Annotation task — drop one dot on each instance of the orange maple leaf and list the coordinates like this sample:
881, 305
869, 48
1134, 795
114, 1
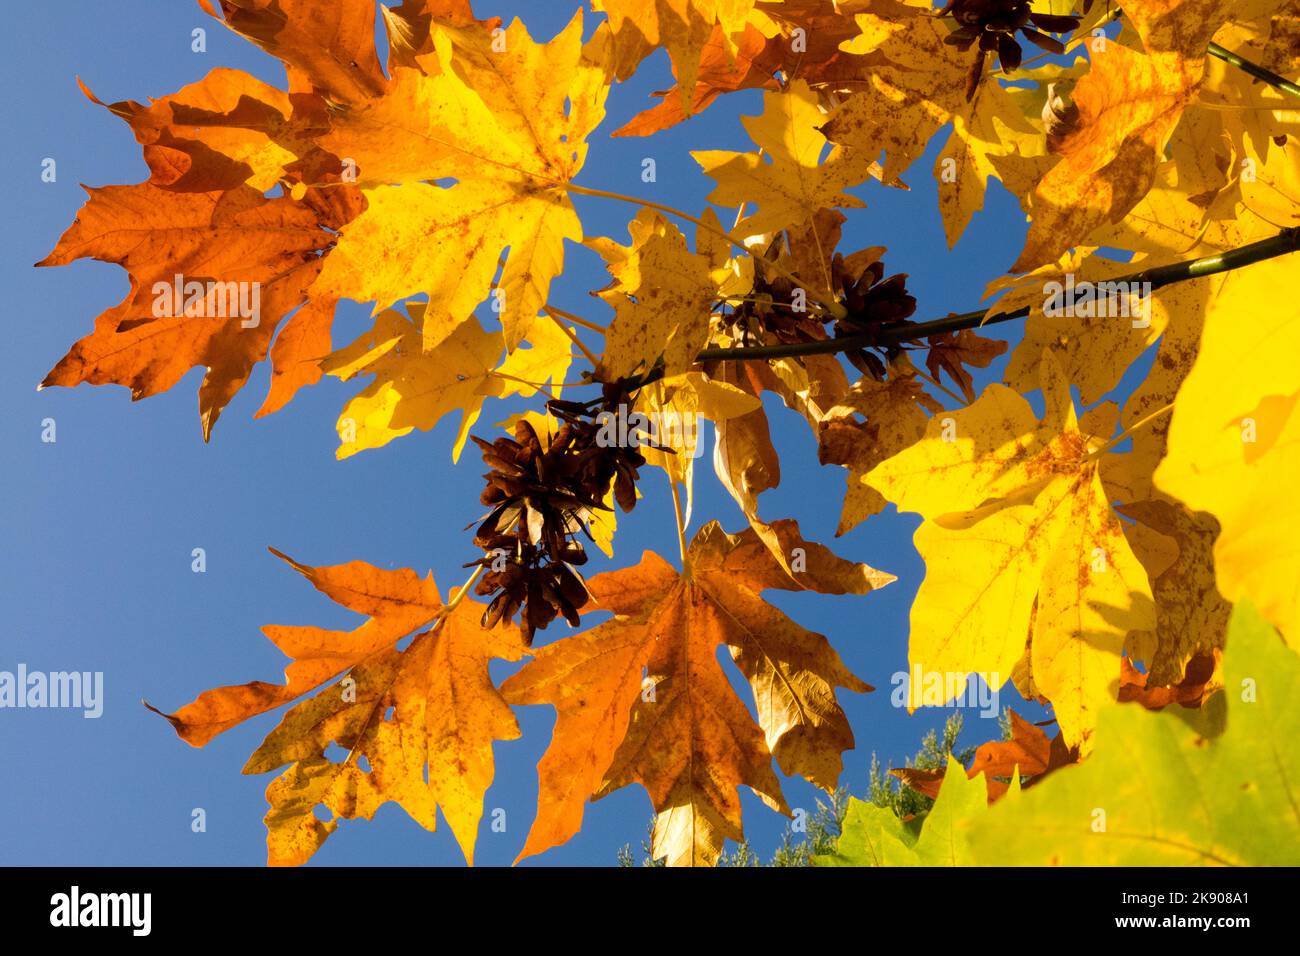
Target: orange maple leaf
642, 698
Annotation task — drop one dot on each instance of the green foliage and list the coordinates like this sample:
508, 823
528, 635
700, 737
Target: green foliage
1175, 787
885, 790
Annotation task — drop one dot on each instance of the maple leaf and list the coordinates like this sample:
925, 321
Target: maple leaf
725, 67
303, 342
414, 388
1128, 106
1234, 441
917, 86
661, 296
1176, 790
395, 603
1018, 520
423, 718
1176, 546
680, 730
1094, 325
893, 417
679, 404
951, 352
1026, 756
413, 24
510, 129
874, 836
191, 144
791, 181
788, 37
682, 27
1203, 677
328, 48
242, 248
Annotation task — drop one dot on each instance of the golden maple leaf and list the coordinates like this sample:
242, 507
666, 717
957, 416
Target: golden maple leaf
789, 181
916, 86
1128, 105
1232, 444
662, 295
1020, 539
414, 386
509, 127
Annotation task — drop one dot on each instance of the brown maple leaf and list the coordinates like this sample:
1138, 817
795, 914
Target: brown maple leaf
1201, 679
642, 698
951, 352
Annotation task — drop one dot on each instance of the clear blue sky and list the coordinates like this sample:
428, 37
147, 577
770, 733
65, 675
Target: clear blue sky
97, 529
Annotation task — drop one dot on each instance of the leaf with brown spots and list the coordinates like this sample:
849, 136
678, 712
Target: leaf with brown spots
417, 723
642, 698
1016, 519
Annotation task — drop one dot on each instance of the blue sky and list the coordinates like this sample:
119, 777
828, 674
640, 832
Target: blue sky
98, 527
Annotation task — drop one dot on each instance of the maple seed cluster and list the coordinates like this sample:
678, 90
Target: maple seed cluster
994, 24
543, 496
858, 281
874, 303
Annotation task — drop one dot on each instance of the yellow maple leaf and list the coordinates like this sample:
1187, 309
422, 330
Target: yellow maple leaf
1128, 105
1234, 442
509, 126
414, 388
1020, 539
893, 417
917, 86
661, 295
790, 180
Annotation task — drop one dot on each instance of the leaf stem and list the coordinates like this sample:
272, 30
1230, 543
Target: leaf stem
677, 514
1140, 423
577, 319
573, 336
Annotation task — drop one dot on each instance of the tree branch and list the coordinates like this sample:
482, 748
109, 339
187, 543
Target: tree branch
1254, 69
1285, 242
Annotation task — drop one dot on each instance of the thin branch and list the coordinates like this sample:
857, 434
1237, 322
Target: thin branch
577, 319
1285, 242
1255, 70
573, 336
